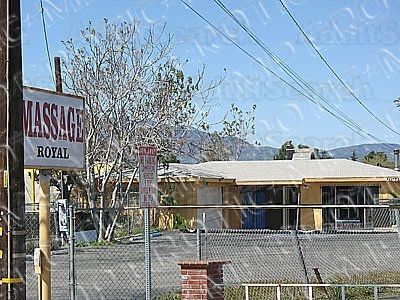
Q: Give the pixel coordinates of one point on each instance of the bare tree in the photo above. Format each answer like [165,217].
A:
[228,143]
[135,94]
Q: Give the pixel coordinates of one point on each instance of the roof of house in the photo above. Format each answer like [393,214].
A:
[283,171]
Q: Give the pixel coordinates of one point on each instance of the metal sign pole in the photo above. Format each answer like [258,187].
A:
[397,215]
[72,284]
[147,248]
[148,193]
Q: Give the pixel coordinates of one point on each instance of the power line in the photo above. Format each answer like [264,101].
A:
[303,84]
[46,40]
[334,72]
[345,122]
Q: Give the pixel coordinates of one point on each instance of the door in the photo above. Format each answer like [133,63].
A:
[260,216]
[209,195]
[274,195]
[247,214]
[290,197]
[253,218]
[328,214]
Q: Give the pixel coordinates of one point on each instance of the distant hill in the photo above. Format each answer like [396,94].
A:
[252,152]
[364,149]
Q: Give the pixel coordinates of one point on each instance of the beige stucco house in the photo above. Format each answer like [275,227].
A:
[281,182]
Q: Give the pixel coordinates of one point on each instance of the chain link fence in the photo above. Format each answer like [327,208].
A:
[116,269]
[59,251]
[113,269]
[347,255]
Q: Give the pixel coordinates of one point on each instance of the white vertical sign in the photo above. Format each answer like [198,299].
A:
[62,215]
[148,185]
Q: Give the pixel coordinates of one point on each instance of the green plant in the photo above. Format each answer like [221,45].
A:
[121,230]
[169,296]
[94,244]
[180,222]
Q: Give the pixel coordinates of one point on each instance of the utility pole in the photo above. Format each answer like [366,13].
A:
[59,89]
[12,197]
[64,191]
[3,140]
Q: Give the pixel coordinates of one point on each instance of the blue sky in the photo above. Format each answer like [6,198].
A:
[360,39]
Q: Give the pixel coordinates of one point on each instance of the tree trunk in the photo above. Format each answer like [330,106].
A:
[111,227]
[114,216]
[101,218]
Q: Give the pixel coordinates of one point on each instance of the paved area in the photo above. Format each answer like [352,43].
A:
[118,271]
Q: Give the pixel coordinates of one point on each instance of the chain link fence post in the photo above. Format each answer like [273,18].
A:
[71,245]
[147,248]
[397,214]
[205,235]
[198,231]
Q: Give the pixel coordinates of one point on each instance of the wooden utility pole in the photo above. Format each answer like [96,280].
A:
[57,73]
[59,89]
[64,191]
[3,140]
[12,103]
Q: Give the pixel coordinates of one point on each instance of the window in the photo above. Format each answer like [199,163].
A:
[348,195]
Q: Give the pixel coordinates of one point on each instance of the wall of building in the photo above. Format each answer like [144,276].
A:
[310,218]
[311,194]
[389,190]
[232,217]
[186,193]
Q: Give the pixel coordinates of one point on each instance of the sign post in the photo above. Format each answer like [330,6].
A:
[148,197]
[44,235]
[53,127]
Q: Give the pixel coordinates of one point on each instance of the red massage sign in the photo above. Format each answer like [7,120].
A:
[148,184]
[53,130]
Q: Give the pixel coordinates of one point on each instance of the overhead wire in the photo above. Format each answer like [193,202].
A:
[287,69]
[303,84]
[46,40]
[344,121]
[334,72]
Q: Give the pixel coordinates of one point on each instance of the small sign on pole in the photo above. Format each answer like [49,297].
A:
[148,185]
[62,215]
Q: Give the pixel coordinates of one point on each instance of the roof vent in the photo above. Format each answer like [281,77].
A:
[396,160]
[306,153]
[289,153]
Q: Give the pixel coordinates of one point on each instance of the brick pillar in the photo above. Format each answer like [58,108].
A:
[202,279]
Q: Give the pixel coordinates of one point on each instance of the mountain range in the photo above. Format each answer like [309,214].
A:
[253,152]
